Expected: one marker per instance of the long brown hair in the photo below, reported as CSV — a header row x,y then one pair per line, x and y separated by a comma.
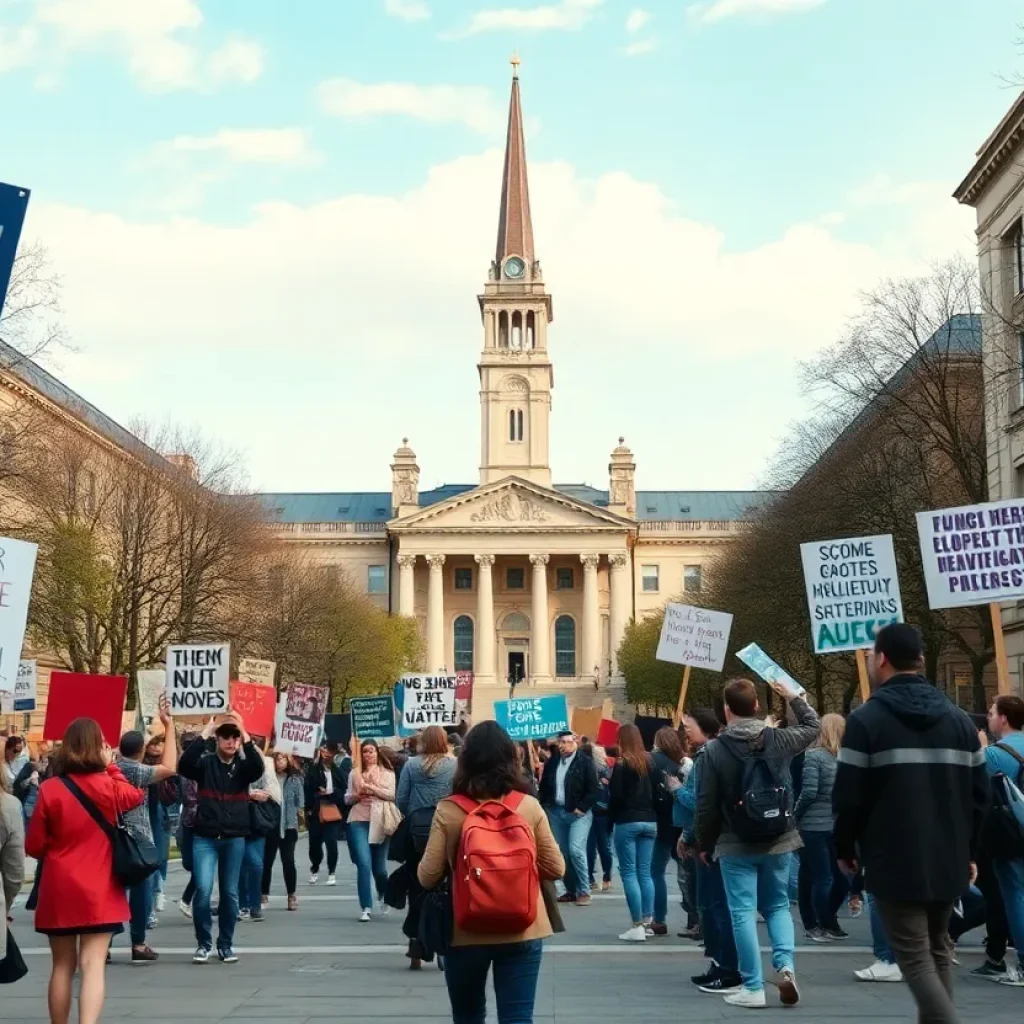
x,y
631,749
385,755
432,747
668,742
81,751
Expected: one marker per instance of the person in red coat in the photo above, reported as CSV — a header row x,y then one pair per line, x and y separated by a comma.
x,y
81,903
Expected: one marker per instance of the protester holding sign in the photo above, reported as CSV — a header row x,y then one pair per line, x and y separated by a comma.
x,y
370,787
289,778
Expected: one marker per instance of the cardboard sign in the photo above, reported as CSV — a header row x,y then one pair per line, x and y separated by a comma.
x,y
608,734
532,718
373,718
26,686
197,679
292,735
255,670
973,554
17,565
77,695
130,722
773,674
307,703
694,636
852,591
150,684
586,721
463,685
257,705
429,700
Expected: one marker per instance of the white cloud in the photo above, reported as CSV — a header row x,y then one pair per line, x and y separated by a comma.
x,y
636,20
237,60
261,146
17,47
639,47
472,106
407,10
298,333
718,10
568,14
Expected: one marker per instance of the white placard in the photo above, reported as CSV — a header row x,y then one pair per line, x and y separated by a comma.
x,y
694,636
293,736
973,554
26,687
429,700
150,683
852,591
17,564
255,670
197,678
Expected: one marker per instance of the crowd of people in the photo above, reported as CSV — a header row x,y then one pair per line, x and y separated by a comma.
x,y
903,810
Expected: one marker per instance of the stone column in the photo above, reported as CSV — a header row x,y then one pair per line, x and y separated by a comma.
x,y
618,579
435,614
540,646
484,673
591,618
407,585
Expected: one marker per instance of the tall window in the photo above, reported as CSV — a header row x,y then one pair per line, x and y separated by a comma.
x,y
515,424
463,644
565,647
463,579
1017,244
563,578
376,579
649,578
515,578
691,579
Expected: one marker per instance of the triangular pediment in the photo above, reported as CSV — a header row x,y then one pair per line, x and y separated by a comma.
x,y
511,504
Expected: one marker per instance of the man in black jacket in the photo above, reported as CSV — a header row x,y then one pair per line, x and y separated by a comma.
x,y
568,792
910,795
224,775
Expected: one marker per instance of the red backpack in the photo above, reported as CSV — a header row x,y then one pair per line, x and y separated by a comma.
x,y
495,881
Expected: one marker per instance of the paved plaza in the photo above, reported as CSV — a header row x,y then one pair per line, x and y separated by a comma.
x,y
320,964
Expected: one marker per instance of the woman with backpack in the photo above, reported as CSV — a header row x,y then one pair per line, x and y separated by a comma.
x,y
670,760
635,829
490,821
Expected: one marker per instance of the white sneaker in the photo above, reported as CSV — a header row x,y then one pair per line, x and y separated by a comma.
x,y
789,994
331,880
1014,977
383,908
635,934
745,997
364,916
880,971
152,922
185,908
313,878
161,902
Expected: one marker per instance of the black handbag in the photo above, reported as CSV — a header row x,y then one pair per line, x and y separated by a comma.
x,y
12,967
134,860
264,818
437,920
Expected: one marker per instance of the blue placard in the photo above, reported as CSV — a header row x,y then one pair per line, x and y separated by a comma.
x,y
532,718
373,718
13,203
770,671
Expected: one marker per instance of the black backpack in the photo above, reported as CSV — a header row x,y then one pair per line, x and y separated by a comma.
x,y
1002,837
760,808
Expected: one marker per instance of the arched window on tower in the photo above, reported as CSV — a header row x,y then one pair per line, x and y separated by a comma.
x,y
531,330
503,329
463,645
516,339
515,424
565,647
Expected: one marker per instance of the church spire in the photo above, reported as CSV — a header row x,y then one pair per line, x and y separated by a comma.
x,y
515,228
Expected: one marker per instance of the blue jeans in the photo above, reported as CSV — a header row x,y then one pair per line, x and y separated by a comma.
x,y
371,862
659,863
599,843
755,882
516,966
223,858
634,847
140,903
829,887
1010,875
879,943
714,916
571,832
250,880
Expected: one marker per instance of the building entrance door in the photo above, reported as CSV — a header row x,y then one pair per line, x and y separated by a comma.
x,y
516,667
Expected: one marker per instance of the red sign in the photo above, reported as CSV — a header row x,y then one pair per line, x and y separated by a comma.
x,y
608,733
78,695
463,685
256,704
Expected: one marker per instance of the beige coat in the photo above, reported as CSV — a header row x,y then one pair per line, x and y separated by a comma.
x,y
12,857
442,851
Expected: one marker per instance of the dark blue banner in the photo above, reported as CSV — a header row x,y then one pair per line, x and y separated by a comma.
x,y
13,203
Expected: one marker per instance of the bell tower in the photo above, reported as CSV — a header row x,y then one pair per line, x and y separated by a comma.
x,y
516,375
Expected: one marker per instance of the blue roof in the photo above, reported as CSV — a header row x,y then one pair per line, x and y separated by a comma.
x,y
707,506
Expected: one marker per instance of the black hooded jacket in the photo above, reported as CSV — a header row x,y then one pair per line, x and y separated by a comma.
x,y
910,793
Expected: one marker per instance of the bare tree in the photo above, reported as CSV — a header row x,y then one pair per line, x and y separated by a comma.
x,y
31,320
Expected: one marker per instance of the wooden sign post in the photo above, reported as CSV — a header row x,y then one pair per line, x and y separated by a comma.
x,y
999,644
683,687
862,673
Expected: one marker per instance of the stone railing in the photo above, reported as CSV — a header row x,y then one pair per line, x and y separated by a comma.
x,y
327,528
688,526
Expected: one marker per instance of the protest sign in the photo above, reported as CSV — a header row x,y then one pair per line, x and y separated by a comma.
x,y
399,697
852,591
255,670
17,564
293,735
463,685
130,722
26,686
150,683
608,733
77,695
197,679
694,636
373,718
307,703
586,721
13,204
532,718
7,701
773,674
256,704
429,700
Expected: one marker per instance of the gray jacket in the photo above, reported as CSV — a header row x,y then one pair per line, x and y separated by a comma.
x,y
292,798
721,775
813,811
12,858
417,789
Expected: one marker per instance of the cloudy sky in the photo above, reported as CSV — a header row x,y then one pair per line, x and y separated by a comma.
x,y
272,219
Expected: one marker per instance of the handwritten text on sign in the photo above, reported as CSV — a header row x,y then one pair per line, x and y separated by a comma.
x,y
429,700
17,564
197,679
694,636
852,591
26,687
293,736
532,718
973,554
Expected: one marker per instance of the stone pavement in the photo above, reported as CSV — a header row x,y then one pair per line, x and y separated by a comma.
x,y
320,965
